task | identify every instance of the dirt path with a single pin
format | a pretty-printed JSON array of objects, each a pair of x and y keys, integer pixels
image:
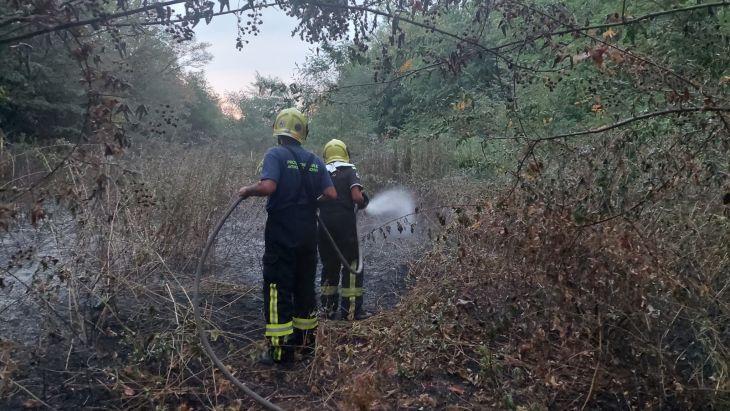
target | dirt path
[{"x": 386, "y": 253}]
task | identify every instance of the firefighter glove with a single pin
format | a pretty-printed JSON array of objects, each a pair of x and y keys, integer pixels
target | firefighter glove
[{"x": 366, "y": 201}]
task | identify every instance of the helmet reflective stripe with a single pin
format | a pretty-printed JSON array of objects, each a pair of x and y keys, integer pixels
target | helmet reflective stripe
[
  {"x": 335, "y": 150},
  {"x": 291, "y": 122}
]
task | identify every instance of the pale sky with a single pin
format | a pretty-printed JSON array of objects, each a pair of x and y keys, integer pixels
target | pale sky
[{"x": 273, "y": 52}]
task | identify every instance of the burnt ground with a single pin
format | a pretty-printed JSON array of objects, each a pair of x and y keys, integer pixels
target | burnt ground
[
  {"x": 237, "y": 261},
  {"x": 386, "y": 252},
  {"x": 115, "y": 366}
]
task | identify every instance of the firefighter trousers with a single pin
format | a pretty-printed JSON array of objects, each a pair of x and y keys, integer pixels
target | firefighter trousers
[
  {"x": 290, "y": 305},
  {"x": 348, "y": 298}
]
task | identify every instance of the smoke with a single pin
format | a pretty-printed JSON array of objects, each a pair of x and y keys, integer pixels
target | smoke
[{"x": 391, "y": 203}]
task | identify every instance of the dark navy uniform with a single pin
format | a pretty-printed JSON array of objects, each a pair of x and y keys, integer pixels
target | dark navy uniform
[
  {"x": 290, "y": 256},
  {"x": 339, "y": 218}
]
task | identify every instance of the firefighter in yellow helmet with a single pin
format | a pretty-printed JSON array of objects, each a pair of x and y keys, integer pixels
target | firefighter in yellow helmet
[
  {"x": 292, "y": 178},
  {"x": 339, "y": 219}
]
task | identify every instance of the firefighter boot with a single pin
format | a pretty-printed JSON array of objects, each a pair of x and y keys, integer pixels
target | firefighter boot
[{"x": 280, "y": 351}]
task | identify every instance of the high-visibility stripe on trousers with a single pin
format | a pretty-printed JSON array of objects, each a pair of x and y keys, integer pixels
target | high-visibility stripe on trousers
[
  {"x": 305, "y": 323},
  {"x": 278, "y": 333},
  {"x": 348, "y": 298}
]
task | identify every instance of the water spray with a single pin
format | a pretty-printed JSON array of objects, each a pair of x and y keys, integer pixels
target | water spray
[{"x": 394, "y": 202}]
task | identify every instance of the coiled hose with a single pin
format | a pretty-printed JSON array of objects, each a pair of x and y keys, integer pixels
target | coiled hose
[{"x": 203, "y": 334}]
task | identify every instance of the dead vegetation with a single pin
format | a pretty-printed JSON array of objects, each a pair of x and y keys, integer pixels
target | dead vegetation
[
  {"x": 97, "y": 276},
  {"x": 120, "y": 240},
  {"x": 525, "y": 301},
  {"x": 517, "y": 308}
]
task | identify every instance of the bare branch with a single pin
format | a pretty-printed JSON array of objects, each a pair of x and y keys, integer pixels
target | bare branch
[
  {"x": 87, "y": 22},
  {"x": 434, "y": 29},
  {"x": 223, "y": 13},
  {"x": 649, "y": 16},
  {"x": 625, "y": 22},
  {"x": 394, "y": 79},
  {"x": 635, "y": 119}
]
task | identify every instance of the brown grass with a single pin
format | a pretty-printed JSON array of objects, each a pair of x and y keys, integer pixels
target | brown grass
[
  {"x": 518, "y": 305},
  {"x": 518, "y": 308}
]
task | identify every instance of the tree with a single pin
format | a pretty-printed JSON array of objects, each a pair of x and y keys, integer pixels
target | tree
[
  {"x": 205, "y": 115},
  {"x": 258, "y": 107}
]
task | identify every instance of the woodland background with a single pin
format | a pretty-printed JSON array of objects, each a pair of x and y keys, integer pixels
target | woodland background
[{"x": 570, "y": 159}]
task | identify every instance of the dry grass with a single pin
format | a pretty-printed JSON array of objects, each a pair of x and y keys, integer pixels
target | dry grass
[
  {"x": 181, "y": 192},
  {"x": 126, "y": 235},
  {"x": 517, "y": 308},
  {"x": 385, "y": 162}
]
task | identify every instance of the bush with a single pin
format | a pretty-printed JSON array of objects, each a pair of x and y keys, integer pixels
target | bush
[{"x": 519, "y": 306}]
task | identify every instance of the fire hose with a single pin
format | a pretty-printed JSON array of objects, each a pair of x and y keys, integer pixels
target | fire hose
[{"x": 203, "y": 334}]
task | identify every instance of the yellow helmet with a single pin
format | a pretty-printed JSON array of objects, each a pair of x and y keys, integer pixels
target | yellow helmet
[
  {"x": 291, "y": 122},
  {"x": 335, "y": 150}
]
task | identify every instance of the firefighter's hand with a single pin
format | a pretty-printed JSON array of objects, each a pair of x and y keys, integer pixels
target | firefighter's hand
[
  {"x": 261, "y": 189},
  {"x": 365, "y": 202},
  {"x": 244, "y": 192}
]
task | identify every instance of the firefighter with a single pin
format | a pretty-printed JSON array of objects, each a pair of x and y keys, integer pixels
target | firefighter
[
  {"x": 292, "y": 178},
  {"x": 339, "y": 219}
]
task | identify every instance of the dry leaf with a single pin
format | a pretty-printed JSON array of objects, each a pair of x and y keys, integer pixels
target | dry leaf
[
  {"x": 464, "y": 303},
  {"x": 32, "y": 404},
  {"x": 427, "y": 400},
  {"x": 7, "y": 214},
  {"x": 580, "y": 57},
  {"x": 37, "y": 213},
  {"x": 406, "y": 66},
  {"x": 457, "y": 389},
  {"x": 609, "y": 34},
  {"x": 553, "y": 381}
]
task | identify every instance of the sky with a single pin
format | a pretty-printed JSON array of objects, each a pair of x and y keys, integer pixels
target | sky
[{"x": 272, "y": 53}]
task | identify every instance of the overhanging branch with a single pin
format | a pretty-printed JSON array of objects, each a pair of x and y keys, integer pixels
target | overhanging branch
[
  {"x": 87, "y": 22},
  {"x": 222, "y": 13},
  {"x": 635, "y": 119},
  {"x": 626, "y": 22}
]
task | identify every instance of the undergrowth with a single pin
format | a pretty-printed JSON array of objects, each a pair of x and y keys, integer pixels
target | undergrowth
[
  {"x": 517, "y": 307},
  {"x": 522, "y": 302}
]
